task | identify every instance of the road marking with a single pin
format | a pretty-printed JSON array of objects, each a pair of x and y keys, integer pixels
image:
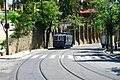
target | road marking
[
  {"x": 70, "y": 57},
  {"x": 35, "y": 56},
  {"x": 43, "y": 56},
  {"x": 105, "y": 57},
  {"x": 61, "y": 56},
  {"x": 96, "y": 57},
  {"x": 52, "y": 56},
  {"x": 81, "y": 58},
  {"x": 26, "y": 56},
  {"x": 88, "y": 57}
]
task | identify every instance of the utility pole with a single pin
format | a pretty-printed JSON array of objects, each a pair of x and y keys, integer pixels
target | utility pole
[{"x": 6, "y": 26}]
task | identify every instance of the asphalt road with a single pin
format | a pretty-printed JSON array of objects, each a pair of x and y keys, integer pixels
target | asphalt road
[{"x": 86, "y": 62}]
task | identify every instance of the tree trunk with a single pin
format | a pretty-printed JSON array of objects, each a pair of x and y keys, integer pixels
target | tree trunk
[
  {"x": 38, "y": 36},
  {"x": 13, "y": 5},
  {"x": 2, "y": 4},
  {"x": 89, "y": 36},
  {"x": 48, "y": 35},
  {"x": 86, "y": 32}
]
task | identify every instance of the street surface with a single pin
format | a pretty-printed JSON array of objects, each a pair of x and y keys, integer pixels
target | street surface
[{"x": 86, "y": 62}]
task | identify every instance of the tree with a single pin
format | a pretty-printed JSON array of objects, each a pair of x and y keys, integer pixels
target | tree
[
  {"x": 1, "y": 3},
  {"x": 101, "y": 18},
  {"x": 24, "y": 1},
  {"x": 68, "y": 7},
  {"x": 30, "y": 18},
  {"x": 75, "y": 20},
  {"x": 47, "y": 15},
  {"x": 24, "y": 21},
  {"x": 106, "y": 18},
  {"x": 70, "y": 13},
  {"x": 13, "y": 16}
]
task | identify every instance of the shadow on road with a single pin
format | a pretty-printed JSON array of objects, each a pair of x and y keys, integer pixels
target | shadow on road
[
  {"x": 84, "y": 48},
  {"x": 94, "y": 55}
]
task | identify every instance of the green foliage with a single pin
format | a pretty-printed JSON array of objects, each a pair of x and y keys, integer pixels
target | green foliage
[
  {"x": 68, "y": 7},
  {"x": 29, "y": 7},
  {"x": 13, "y": 16},
  {"x": 75, "y": 20},
  {"x": 4, "y": 43},
  {"x": 70, "y": 12},
  {"x": 23, "y": 20},
  {"x": 2, "y": 17},
  {"x": 48, "y": 11},
  {"x": 26, "y": 20},
  {"x": 24, "y": 26},
  {"x": 1, "y": 3},
  {"x": 101, "y": 19}
]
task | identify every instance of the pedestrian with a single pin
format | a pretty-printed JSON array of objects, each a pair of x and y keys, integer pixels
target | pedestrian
[{"x": 103, "y": 40}]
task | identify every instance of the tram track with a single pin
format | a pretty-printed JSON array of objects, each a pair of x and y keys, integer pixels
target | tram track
[
  {"x": 40, "y": 66},
  {"x": 68, "y": 70},
  {"x": 61, "y": 64},
  {"x": 83, "y": 66},
  {"x": 91, "y": 70},
  {"x": 40, "y": 62},
  {"x": 18, "y": 68}
]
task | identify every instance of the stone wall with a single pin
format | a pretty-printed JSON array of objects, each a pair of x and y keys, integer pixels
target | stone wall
[
  {"x": 20, "y": 44},
  {"x": 29, "y": 42}
]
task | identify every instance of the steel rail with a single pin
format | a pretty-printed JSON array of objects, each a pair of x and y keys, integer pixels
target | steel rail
[
  {"x": 91, "y": 69},
  {"x": 61, "y": 63}
]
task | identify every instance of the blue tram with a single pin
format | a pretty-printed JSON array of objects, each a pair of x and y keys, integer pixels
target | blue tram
[{"x": 62, "y": 40}]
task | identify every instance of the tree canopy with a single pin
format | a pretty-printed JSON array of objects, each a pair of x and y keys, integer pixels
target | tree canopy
[
  {"x": 47, "y": 11},
  {"x": 68, "y": 7},
  {"x": 34, "y": 11},
  {"x": 104, "y": 10}
]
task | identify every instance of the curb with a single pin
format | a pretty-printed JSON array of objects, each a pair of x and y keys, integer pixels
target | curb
[{"x": 21, "y": 54}]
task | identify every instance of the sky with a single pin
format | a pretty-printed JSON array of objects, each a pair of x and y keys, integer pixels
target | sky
[{"x": 9, "y": 1}]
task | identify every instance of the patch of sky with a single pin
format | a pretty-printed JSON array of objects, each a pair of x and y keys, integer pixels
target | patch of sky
[{"x": 9, "y": 1}]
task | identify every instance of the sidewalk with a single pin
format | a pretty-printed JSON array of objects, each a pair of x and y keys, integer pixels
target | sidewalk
[{"x": 21, "y": 54}]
